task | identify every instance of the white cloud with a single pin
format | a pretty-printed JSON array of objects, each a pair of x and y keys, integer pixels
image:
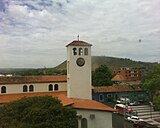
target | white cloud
[{"x": 34, "y": 33}]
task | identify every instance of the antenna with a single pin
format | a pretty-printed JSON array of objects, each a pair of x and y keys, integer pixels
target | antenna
[{"x": 78, "y": 37}]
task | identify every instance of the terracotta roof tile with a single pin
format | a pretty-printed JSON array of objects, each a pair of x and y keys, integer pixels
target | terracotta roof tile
[
  {"x": 117, "y": 88},
  {"x": 32, "y": 79},
  {"x": 5, "y": 98},
  {"x": 79, "y": 43},
  {"x": 119, "y": 78},
  {"x": 62, "y": 96},
  {"x": 90, "y": 105}
]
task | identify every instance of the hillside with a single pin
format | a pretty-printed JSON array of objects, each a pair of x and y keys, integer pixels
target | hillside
[{"x": 111, "y": 62}]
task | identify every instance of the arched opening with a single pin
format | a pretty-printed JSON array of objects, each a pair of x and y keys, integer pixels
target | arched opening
[
  {"x": 56, "y": 87},
  {"x": 101, "y": 97},
  {"x": 80, "y": 51},
  {"x": 84, "y": 123},
  {"x": 31, "y": 88},
  {"x": 74, "y": 51},
  {"x": 50, "y": 87},
  {"x": 3, "y": 89},
  {"x": 86, "y": 51},
  {"x": 25, "y": 88}
]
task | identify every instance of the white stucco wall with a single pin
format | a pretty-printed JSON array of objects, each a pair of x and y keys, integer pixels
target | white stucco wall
[
  {"x": 78, "y": 78},
  {"x": 38, "y": 87},
  {"x": 103, "y": 119}
]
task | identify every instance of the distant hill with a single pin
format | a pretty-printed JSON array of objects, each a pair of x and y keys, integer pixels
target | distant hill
[{"x": 111, "y": 62}]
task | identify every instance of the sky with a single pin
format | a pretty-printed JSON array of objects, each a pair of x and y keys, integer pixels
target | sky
[{"x": 34, "y": 33}]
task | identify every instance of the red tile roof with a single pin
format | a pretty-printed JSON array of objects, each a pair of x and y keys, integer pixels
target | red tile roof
[
  {"x": 62, "y": 96},
  {"x": 79, "y": 43},
  {"x": 32, "y": 79},
  {"x": 5, "y": 98},
  {"x": 117, "y": 88},
  {"x": 90, "y": 105},
  {"x": 119, "y": 78}
]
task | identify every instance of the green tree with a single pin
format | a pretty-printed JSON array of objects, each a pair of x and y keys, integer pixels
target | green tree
[
  {"x": 37, "y": 112},
  {"x": 151, "y": 82},
  {"x": 156, "y": 101},
  {"x": 102, "y": 76}
]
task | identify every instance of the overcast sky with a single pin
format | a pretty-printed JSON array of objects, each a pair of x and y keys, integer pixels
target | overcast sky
[{"x": 34, "y": 33}]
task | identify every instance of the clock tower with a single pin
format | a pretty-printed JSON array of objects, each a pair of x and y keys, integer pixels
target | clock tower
[{"x": 79, "y": 70}]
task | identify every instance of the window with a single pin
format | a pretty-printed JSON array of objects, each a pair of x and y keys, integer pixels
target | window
[
  {"x": 84, "y": 123},
  {"x": 55, "y": 87},
  {"x": 50, "y": 87},
  {"x": 31, "y": 88},
  {"x": 25, "y": 88},
  {"x": 109, "y": 95},
  {"x": 101, "y": 97},
  {"x": 80, "y": 51},
  {"x": 86, "y": 51},
  {"x": 74, "y": 51},
  {"x": 3, "y": 89}
]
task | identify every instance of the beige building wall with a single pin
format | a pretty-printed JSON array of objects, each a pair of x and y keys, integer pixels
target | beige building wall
[
  {"x": 102, "y": 119},
  {"x": 78, "y": 78},
  {"x": 38, "y": 87}
]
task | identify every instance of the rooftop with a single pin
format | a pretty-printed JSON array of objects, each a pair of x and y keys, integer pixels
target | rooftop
[
  {"x": 117, "y": 88},
  {"x": 62, "y": 96},
  {"x": 79, "y": 43},
  {"x": 32, "y": 79},
  {"x": 119, "y": 78}
]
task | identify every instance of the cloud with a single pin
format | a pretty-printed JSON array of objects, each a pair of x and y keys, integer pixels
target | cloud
[{"x": 34, "y": 33}]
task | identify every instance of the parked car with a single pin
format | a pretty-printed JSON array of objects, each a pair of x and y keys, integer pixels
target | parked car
[
  {"x": 135, "y": 103},
  {"x": 123, "y": 101},
  {"x": 133, "y": 119},
  {"x": 132, "y": 113}
]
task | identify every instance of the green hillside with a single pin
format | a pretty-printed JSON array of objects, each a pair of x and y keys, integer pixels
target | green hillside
[{"x": 111, "y": 62}]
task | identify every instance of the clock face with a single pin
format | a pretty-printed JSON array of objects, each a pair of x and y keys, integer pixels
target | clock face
[{"x": 80, "y": 62}]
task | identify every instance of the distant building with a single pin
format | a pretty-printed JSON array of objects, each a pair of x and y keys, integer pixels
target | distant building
[
  {"x": 128, "y": 74},
  {"x": 106, "y": 94}
]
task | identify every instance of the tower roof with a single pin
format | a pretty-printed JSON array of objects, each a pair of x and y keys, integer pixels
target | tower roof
[{"x": 78, "y": 43}]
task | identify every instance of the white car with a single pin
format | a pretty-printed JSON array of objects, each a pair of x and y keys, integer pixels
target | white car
[{"x": 134, "y": 118}]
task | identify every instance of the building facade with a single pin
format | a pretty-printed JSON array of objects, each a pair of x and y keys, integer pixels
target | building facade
[
  {"x": 129, "y": 74},
  {"x": 26, "y": 84}
]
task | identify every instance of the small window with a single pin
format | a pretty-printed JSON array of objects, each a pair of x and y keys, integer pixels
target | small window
[
  {"x": 74, "y": 51},
  {"x": 86, "y": 51},
  {"x": 25, "y": 88},
  {"x": 84, "y": 123},
  {"x": 109, "y": 95},
  {"x": 80, "y": 51},
  {"x": 31, "y": 88},
  {"x": 50, "y": 87},
  {"x": 101, "y": 97},
  {"x": 3, "y": 89},
  {"x": 55, "y": 87}
]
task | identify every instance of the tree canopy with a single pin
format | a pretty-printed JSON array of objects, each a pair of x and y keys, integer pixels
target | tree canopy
[
  {"x": 151, "y": 82},
  {"x": 102, "y": 76},
  {"x": 37, "y": 112}
]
